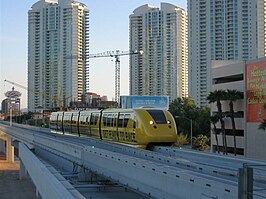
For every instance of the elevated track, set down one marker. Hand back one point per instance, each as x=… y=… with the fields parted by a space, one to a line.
x=165 y=172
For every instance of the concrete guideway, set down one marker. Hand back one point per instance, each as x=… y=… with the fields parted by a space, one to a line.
x=154 y=178
x=49 y=183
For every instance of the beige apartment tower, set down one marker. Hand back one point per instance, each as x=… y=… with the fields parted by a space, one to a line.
x=58 y=45
x=162 y=36
x=222 y=30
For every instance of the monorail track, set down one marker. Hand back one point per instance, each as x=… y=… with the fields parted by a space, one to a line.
x=199 y=163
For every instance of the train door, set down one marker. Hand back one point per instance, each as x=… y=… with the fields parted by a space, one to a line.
x=66 y=126
x=60 y=122
x=114 y=127
x=83 y=124
x=129 y=127
x=94 y=124
x=75 y=123
x=125 y=128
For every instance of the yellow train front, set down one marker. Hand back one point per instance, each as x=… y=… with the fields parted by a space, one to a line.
x=137 y=127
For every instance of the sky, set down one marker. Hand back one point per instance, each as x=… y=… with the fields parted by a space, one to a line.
x=109 y=30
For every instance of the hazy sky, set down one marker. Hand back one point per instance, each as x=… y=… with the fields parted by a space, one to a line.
x=109 y=30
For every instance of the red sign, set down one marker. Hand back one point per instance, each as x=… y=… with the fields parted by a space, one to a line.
x=256 y=91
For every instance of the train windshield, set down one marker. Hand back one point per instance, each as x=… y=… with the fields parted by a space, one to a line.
x=158 y=116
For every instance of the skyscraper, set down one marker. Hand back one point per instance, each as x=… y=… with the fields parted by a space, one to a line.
x=222 y=30
x=58 y=43
x=162 y=36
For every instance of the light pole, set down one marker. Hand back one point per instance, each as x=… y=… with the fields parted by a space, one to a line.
x=191 y=130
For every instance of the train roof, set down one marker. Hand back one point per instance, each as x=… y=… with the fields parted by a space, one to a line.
x=110 y=110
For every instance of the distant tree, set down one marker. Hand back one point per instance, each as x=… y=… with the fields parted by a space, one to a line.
x=184 y=109
x=201 y=121
x=217 y=96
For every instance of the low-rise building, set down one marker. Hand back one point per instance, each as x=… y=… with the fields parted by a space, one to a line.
x=248 y=77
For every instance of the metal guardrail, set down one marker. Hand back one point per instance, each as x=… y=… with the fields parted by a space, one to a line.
x=246 y=186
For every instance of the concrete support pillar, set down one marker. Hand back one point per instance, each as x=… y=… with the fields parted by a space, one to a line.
x=22 y=172
x=84 y=175
x=37 y=194
x=9 y=151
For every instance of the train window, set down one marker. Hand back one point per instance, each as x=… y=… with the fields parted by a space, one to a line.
x=105 y=119
x=96 y=118
x=114 y=120
x=126 y=118
x=134 y=122
x=92 y=119
x=109 y=120
x=87 y=120
x=120 y=120
x=158 y=116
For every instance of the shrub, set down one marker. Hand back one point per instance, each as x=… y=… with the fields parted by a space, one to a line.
x=201 y=142
x=182 y=139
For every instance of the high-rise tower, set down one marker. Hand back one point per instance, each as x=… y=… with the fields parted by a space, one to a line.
x=162 y=36
x=58 y=43
x=222 y=30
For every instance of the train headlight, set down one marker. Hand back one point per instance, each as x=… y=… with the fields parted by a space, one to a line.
x=168 y=122
x=151 y=122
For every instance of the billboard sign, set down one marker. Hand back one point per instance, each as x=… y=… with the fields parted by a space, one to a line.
x=144 y=101
x=256 y=91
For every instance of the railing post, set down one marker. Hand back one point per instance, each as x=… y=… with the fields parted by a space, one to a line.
x=245 y=182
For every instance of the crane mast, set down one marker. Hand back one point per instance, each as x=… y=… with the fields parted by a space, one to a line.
x=116 y=54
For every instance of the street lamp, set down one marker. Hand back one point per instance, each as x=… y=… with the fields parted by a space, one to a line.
x=191 y=130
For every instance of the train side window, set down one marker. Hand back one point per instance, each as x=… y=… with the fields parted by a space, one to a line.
x=92 y=119
x=105 y=119
x=87 y=120
x=120 y=120
x=114 y=120
x=96 y=118
x=134 y=120
x=109 y=120
x=126 y=118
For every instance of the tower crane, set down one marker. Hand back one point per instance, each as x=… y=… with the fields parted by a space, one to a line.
x=115 y=54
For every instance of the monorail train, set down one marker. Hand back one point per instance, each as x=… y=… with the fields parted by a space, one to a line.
x=140 y=127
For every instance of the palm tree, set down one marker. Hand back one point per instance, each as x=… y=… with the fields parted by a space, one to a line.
x=217 y=96
x=263 y=124
x=214 y=120
x=232 y=96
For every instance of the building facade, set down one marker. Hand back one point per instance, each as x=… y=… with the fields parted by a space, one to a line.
x=58 y=45
x=222 y=30
x=248 y=77
x=162 y=36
